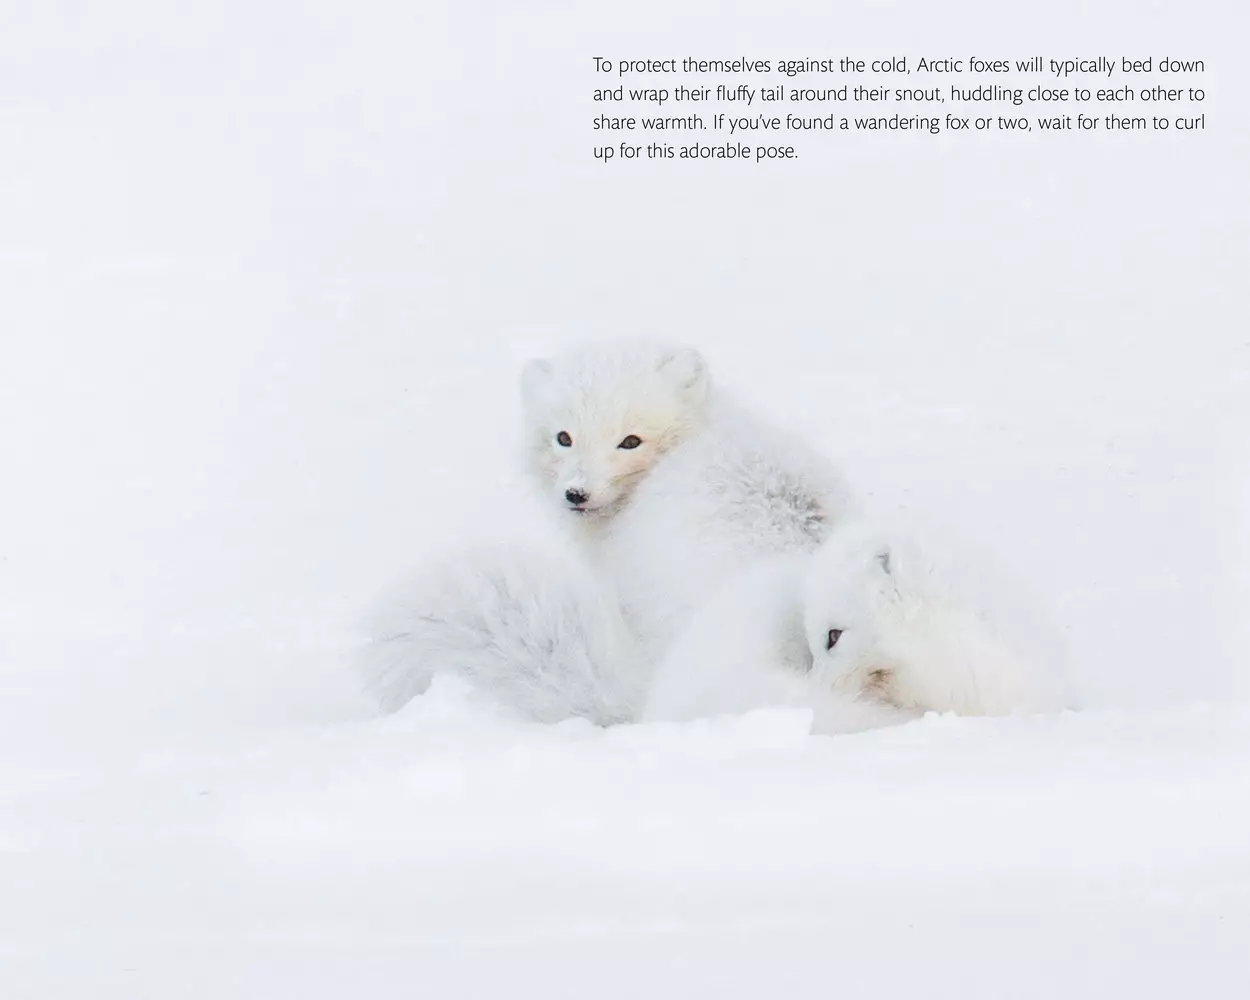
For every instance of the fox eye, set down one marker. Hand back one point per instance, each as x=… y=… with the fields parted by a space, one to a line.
x=834 y=635
x=563 y=440
x=631 y=442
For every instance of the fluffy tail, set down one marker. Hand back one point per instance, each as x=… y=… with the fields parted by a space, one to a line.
x=526 y=628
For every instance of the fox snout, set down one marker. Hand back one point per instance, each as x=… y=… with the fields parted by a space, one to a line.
x=576 y=497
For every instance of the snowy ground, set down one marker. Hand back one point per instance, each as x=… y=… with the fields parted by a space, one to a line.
x=446 y=852
x=266 y=274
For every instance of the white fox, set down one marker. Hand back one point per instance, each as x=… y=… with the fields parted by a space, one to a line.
x=671 y=488
x=887 y=621
x=866 y=631
x=719 y=551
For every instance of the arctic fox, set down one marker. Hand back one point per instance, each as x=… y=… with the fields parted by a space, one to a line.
x=886 y=621
x=527 y=629
x=671 y=488
x=867 y=631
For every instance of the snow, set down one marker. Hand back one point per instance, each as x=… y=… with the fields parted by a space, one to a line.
x=267 y=273
x=457 y=852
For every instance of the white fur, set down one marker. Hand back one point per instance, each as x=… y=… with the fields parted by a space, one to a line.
x=910 y=643
x=710 y=491
x=745 y=648
x=910 y=639
x=720 y=556
x=705 y=493
x=599 y=396
x=525 y=628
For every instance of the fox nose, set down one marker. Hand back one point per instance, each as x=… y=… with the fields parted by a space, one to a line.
x=576 y=497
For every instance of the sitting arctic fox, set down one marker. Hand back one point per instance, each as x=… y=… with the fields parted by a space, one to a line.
x=867 y=631
x=671 y=488
x=672 y=491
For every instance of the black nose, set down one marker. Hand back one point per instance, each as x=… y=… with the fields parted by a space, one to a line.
x=576 y=497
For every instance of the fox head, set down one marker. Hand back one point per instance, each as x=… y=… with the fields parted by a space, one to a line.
x=857 y=613
x=599 y=418
x=881 y=625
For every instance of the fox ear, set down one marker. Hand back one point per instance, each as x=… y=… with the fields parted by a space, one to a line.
x=534 y=378
x=688 y=371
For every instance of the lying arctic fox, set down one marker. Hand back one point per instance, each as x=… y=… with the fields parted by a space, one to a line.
x=671 y=488
x=866 y=631
x=887 y=621
x=525 y=628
